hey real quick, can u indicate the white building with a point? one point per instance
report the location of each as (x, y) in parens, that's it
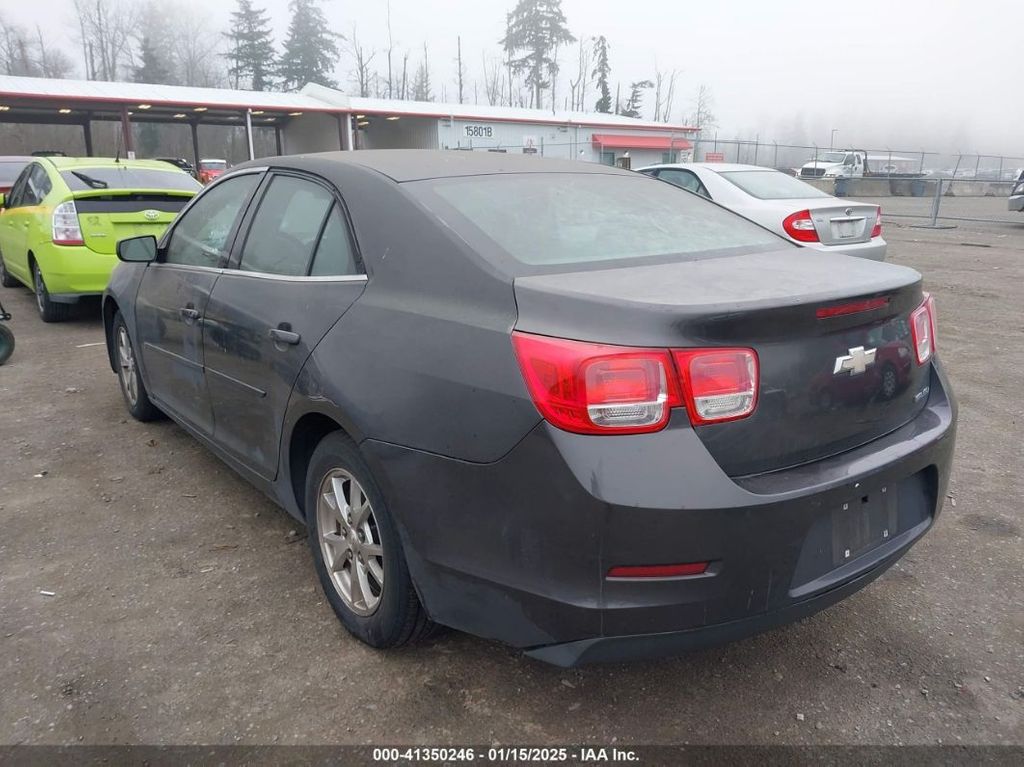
(321, 119)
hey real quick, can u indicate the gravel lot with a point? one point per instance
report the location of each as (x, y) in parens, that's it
(186, 610)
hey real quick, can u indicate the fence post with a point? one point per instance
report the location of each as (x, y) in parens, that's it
(937, 201)
(775, 162)
(757, 145)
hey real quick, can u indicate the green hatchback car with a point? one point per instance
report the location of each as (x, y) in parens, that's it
(61, 222)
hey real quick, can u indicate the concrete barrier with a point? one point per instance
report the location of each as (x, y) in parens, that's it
(909, 187)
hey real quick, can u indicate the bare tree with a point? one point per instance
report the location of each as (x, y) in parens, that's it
(52, 62)
(460, 68)
(578, 87)
(107, 28)
(421, 88)
(391, 48)
(664, 93)
(702, 116)
(193, 45)
(362, 59)
(494, 81)
(404, 91)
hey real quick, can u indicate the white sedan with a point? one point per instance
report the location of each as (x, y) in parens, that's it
(786, 205)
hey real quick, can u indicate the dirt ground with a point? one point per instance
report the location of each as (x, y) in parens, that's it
(185, 608)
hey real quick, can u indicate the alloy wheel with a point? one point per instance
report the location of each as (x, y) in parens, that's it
(350, 542)
(126, 363)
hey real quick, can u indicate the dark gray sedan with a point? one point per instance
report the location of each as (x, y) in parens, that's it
(559, 404)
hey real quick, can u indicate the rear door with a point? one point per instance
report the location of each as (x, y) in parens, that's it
(294, 274)
(173, 294)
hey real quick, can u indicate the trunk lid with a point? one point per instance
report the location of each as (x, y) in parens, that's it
(843, 223)
(108, 216)
(768, 302)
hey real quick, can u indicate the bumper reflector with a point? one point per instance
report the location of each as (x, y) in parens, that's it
(659, 571)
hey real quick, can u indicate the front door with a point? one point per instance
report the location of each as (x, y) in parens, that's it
(14, 226)
(173, 294)
(296, 273)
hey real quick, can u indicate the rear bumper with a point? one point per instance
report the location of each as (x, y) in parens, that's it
(1016, 203)
(71, 272)
(873, 249)
(518, 550)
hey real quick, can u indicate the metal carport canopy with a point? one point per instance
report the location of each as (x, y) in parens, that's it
(79, 102)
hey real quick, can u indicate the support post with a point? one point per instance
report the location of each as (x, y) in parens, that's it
(126, 134)
(195, 145)
(277, 140)
(248, 134)
(87, 135)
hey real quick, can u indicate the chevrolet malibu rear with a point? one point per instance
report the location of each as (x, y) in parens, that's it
(578, 410)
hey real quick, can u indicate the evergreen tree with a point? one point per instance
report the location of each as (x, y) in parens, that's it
(534, 30)
(252, 48)
(310, 50)
(636, 98)
(153, 66)
(421, 80)
(601, 71)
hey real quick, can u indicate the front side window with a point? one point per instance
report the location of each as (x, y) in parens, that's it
(286, 226)
(553, 219)
(771, 185)
(200, 238)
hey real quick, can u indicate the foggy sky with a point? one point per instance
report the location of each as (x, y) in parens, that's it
(908, 74)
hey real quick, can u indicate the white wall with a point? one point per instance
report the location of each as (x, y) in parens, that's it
(312, 132)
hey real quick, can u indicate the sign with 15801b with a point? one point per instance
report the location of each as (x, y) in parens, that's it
(479, 131)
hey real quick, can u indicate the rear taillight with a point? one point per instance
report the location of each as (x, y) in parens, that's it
(687, 570)
(66, 230)
(876, 230)
(718, 384)
(590, 388)
(922, 328)
(800, 227)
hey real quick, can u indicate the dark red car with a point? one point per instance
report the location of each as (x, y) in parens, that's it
(211, 169)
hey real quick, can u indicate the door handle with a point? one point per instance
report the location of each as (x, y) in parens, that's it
(188, 313)
(282, 336)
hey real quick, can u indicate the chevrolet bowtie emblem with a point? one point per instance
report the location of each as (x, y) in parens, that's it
(856, 362)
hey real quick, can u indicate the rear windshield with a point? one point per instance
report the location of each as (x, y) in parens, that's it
(771, 185)
(213, 165)
(9, 172)
(555, 219)
(85, 179)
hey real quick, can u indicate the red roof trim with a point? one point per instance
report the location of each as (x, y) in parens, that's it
(621, 141)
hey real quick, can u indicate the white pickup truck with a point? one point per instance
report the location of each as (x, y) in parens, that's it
(847, 163)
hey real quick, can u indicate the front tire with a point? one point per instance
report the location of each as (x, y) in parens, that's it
(136, 398)
(357, 551)
(49, 310)
(7, 279)
(6, 343)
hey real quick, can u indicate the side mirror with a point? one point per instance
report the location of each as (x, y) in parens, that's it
(137, 250)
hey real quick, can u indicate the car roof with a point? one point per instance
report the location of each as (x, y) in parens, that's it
(106, 162)
(414, 164)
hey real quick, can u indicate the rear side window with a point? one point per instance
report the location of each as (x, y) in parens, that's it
(684, 179)
(334, 256)
(553, 219)
(37, 186)
(286, 226)
(126, 177)
(771, 185)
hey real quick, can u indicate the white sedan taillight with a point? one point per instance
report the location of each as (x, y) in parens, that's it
(800, 226)
(590, 388)
(876, 230)
(66, 229)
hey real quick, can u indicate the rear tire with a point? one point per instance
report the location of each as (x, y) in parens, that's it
(357, 550)
(49, 311)
(136, 398)
(7, 279)
(6, 343)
